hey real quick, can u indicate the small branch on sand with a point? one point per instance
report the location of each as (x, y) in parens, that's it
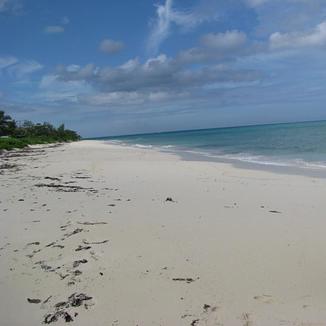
(95, 242)
(92, 223)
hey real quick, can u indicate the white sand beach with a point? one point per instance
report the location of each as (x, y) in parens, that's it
(232, 246)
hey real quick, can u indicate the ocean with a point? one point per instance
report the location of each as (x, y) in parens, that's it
(300, 145)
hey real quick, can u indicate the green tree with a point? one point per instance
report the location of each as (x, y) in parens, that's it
(28, 133)
(7, 124)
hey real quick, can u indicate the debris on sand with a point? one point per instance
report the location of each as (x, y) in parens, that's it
(52, 178)
(67, 317)
(80, 247)
(67, 235)
(33, 253)
(275, 212)
(81, 177)
(77, 272)
(7, 166)
(76, 263)
(50, 244)
(187, 279)
(46, 267)
(63, 276)
(58, 246)
(95, 242)
(36, 243)
(170, 199)
(52, 318)
(74, 300)
(47, 299)
(36, 301)
(92, 223)
(65, 188)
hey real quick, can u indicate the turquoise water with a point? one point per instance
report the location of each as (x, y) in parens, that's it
(291, 144)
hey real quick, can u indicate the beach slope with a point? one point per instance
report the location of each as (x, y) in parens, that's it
(102, 234)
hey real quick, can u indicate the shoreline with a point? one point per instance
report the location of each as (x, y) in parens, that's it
(237, 163)
(112, 235)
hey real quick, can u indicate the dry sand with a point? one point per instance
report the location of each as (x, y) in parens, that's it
(234, 247)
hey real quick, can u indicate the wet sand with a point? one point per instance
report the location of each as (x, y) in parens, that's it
(98, 234)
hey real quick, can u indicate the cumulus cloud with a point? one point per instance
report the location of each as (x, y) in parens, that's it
(314, 38)
(218, 47)
(111, 46)
(157, 79)
(227, 41)
(54, 29)
(53, 90)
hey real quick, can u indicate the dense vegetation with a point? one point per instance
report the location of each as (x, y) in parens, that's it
(19, 135)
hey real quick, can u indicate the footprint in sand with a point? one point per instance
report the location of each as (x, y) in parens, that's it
(265, 298)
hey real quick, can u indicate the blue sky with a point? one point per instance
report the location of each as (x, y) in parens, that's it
(118, 67)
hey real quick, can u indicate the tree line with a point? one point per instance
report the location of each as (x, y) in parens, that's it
(14, 134)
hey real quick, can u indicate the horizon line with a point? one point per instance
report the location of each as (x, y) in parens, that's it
(201, 129)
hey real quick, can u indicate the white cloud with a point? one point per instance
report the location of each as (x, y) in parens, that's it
(161, 26)
(18, 69)
(314, 38)
(116, 98)
(24, 68)
(130, 64)
(256, 3)
(129, 98)
(7, 61)
(52, 89)
(55, 29)
(166, 17)
(158, 79)
(111, 46)
(219, 47)
(229, 40)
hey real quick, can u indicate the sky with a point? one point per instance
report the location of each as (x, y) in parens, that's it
(107, 67)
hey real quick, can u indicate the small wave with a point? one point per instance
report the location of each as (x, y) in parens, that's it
(262, 160)
(168, 146)
(114, 141)
(143, 146)
(242, 157)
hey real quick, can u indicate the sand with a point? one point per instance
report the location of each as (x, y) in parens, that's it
(232, 247)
